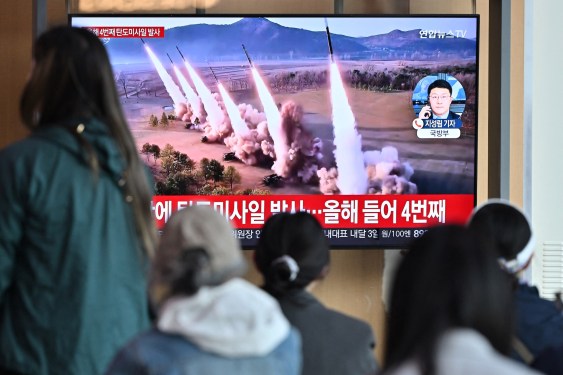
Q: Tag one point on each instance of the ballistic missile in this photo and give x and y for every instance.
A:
(214, 76)
(181, 54)
(248, 57)
(329, 41)
(143, 41)
(170, 58)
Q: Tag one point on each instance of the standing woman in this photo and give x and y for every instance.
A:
(76, 231)
(293, 255)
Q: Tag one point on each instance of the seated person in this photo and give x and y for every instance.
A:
(450, 310)
(292, 255)
(539, 324)
(440, 98)
(209, 320)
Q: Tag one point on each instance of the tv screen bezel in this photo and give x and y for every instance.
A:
(476, 17)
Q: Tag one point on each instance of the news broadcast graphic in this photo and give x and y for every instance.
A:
(439, 102)
(367, 122)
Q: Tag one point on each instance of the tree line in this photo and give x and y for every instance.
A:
(181, 175)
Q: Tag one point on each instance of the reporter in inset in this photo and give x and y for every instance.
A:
(76, 231)
(440, 99)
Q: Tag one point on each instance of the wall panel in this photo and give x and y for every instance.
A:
(210, 6)
(376, 7)
(15, 44)
(442, 6)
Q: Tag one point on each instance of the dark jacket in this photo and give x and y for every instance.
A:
(333, 343)
(539, 325)
(549, 361)
(72, 274)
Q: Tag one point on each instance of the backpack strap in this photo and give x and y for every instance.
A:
(521, 349)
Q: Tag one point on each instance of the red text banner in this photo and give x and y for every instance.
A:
(332, 211)
(128, 31)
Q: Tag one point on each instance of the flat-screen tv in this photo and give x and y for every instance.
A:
(367, 122)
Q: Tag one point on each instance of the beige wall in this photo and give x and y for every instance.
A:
(100, 6)
(56, 12)
(268, 6)
(376, 7)
(516, 179)
(442, 6)
(285, 6)
(16, 35)
(210, 6)
(15, 44)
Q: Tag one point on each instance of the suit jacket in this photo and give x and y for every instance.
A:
(333, 343)
(451, 116)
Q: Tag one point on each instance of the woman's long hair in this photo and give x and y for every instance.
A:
(448, 279)
(72, 78)
(507, 227)
(299, 236)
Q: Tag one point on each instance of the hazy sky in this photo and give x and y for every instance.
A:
(350, 26)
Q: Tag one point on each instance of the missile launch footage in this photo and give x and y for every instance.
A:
(296, 122)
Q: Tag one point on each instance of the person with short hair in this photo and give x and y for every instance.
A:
(210, 321)
(440, 99)
(539, 324)
(76, 233)
(450, 309)
(293, 255)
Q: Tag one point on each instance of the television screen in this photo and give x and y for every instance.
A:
(367, 122)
